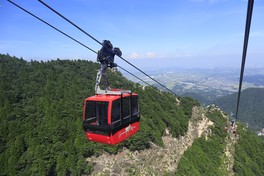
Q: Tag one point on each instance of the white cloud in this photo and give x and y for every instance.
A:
(147, 55)
(134, 55)
(152, 55)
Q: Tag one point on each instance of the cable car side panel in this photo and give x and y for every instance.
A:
(105, 121)
(124, 133)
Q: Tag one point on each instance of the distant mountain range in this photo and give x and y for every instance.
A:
(251, 109)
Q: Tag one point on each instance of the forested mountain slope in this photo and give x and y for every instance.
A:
(249, 153)
(223, 153)
(251, 107)
(40, 114)
(41, 129)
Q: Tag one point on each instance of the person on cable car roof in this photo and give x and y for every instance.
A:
(106, 54)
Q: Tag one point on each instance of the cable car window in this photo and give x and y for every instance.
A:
(116, 109)
(126, 109)
(96, 113)
(135, 109)
(90, 111)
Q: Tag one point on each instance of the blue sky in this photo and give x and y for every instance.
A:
(152, 34)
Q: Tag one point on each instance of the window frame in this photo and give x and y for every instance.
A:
(95, 107)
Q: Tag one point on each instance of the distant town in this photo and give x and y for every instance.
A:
(205, 84)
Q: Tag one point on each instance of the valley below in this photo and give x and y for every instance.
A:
(205, 84)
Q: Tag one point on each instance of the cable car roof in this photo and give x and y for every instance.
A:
(102, 97)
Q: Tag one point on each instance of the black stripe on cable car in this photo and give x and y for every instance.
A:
(108, 129)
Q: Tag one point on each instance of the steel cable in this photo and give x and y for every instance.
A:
(246, 37)
(72, 38)
(52, 9)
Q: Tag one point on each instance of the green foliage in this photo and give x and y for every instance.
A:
(204, 156)
(249, 153)
(41, 109)
(41, 129)
(251, 106)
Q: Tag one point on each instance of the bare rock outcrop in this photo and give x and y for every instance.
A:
(155, 160)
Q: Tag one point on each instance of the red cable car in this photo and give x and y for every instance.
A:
(112, 115)
(111, 119)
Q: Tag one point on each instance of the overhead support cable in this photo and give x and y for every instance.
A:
(51, 26)
(52, 9)
(42, 2)
(72, 38)
(134, 75)
(244, 54)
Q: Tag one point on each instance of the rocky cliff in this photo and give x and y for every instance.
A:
(156, 160)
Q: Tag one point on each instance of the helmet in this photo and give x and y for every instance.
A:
(107, 44)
